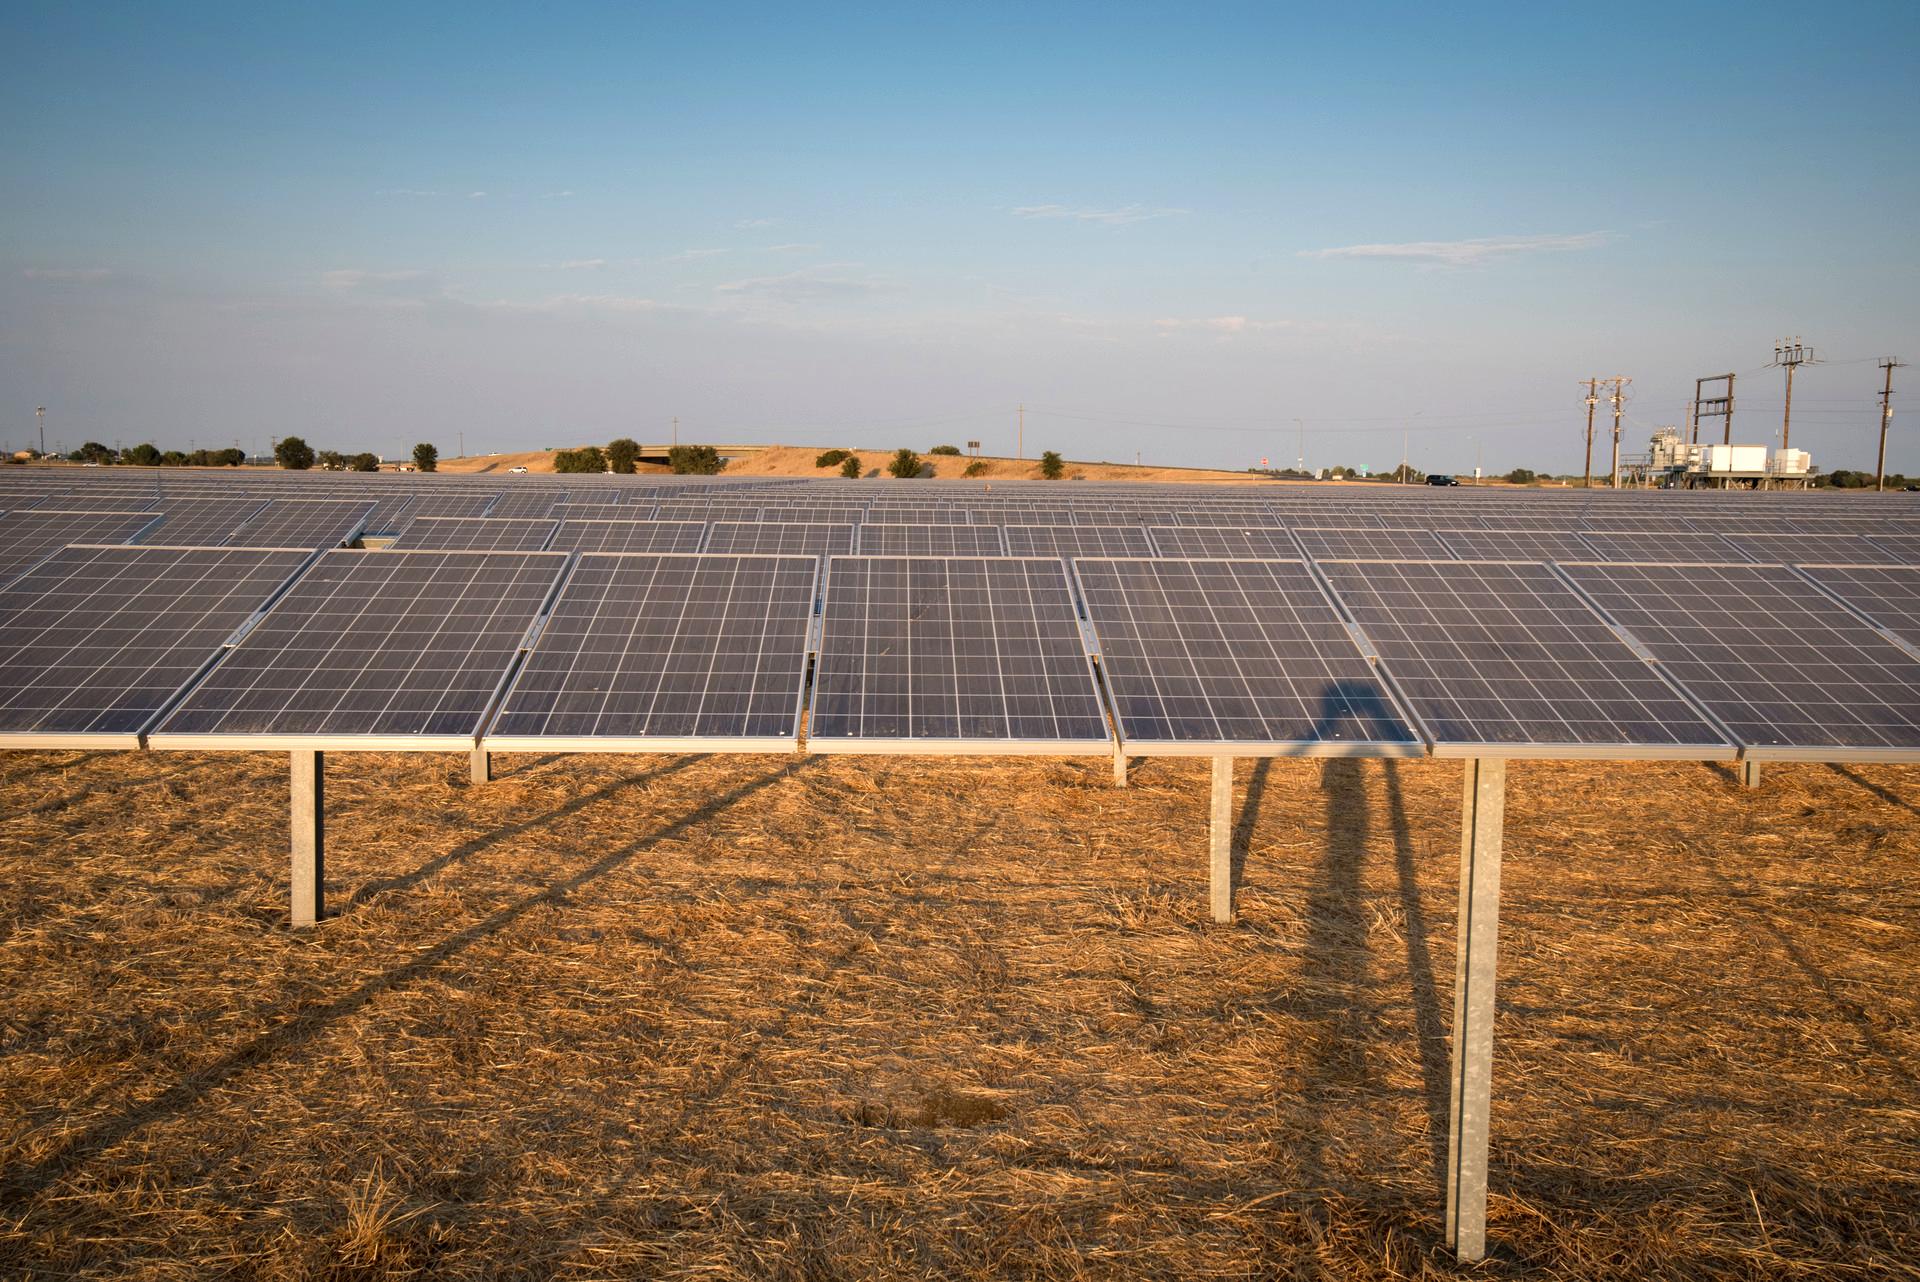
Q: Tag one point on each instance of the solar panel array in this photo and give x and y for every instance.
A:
(1251, 619)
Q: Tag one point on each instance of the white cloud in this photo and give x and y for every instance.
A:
(749, 224)
(583, 265)
(693, 255)
(409, 285)
(1468, 253)
(69, 275)
(556, 195)
(1111, 217)
(792, 247)
(1225, 326)
(825, 282)
(476, 195)
(586, 302)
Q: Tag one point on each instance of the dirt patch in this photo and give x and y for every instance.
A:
(736, 1017)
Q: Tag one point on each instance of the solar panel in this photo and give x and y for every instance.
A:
(629, 536)
(1904, 548)
(201, 522)
(391, 512)
(667, 653)
(477, 534)
(1077, 540)
(1692, 547)
(527, 504)
(793, 538)
(1240, 516)
(304, 523)
(27, 537)
(1810, 549)
(577, 511)
(1887, 594)
(1790, 672)
(1380, 545)
(1516, 545)
(96, 641)
(1242, 657)
(963, 654)
(1265, 543)
(445, 504)
(372, 650)
(930, 540)
(1504, 659)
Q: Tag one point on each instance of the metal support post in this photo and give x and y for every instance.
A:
(1120, 769)
(482, 766)
(1750, 773)
(1220, 842)
(1481, 819)
(309, 837)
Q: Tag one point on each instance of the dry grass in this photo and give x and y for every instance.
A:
(795, 460)
(825, 1018)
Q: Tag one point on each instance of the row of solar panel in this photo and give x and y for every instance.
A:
(257, 648)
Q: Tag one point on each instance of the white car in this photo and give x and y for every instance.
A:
(517, 470)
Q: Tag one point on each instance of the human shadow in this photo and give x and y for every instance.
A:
(1428, 1021)
(295, 1025)
(1249, 816)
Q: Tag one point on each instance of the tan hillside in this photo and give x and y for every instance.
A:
(797, 460)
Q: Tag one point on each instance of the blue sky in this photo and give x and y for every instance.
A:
(1176, 230)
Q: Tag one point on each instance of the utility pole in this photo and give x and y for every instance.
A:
(1301, 467)
(1790, 356)
(1618, 398)
(1593, 398)
(1406, 477)
(676, 431)
(1886, 420)
(40, 420)
(1020, 434)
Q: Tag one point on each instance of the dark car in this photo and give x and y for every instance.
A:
(1441, 478)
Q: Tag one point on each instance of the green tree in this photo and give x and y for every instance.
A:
(174, 458)
(293, 454)
(695, 460)
(1522, 476)
(905, 464)
(233, 456)
(331, 461)
(93, 452)
(622, 454)
(976, 468)
(850, 467)
(831, 458)
(949, 450)
(1052, 466)
(587, 459)
(426, 457)
(364, 463)
(144, 454)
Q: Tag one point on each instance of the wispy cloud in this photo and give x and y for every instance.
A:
(419, 192)
(1224, 326)
(750, 224)
(409, 285)
(694, 255)
(792, 247)
(476, 195)
(583, 265)
(1112, 217)
(69, 275)
(824, 282)
(555, 195)
(1469, 253)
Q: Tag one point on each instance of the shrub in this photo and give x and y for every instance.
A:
(622, 454)
(92, 452)
(1522, 476)
(850, 467)
(174, 458)
(976, 468)
(832, 458)
(695, 460)
(364, 462)
(905, 464)
(949, 450)
(587, 458)
(142, 455)
(293, 454)
(1052, 466)
(426, 457)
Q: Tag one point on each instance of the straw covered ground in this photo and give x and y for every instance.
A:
(738, 1017)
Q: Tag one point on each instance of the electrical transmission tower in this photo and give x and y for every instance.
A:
(1886, 420)
(1720, 407)
(1592, 399)
(1790, 356)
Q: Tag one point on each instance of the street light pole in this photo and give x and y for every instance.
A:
(40, 420)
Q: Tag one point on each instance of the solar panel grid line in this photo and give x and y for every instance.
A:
(1352, 690)
(1832, 581)
(513, 728)
(1052, 707)
(1505, 659)
(29, 538)
(477, 534)
(1318, 542)
(1784, 670)
(509, 590)
(95, 667)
